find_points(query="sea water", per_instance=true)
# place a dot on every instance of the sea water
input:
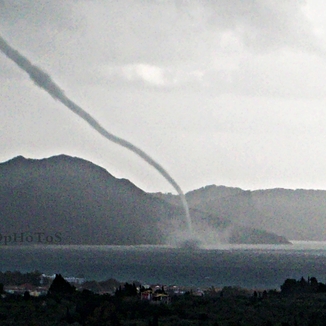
(249, 266)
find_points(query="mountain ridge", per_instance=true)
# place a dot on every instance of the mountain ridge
(87, 205)
(297, 214)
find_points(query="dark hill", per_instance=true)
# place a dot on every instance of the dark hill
(78, 199)
(295, 214)
(77, 202)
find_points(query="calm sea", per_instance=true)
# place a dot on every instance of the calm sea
(250, 266)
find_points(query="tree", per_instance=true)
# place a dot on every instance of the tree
(2, 288)
(129, 290)
(60, 286)
(289, 285)
(27, 295)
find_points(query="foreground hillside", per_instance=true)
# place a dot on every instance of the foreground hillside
(68, 200)
(136, 305)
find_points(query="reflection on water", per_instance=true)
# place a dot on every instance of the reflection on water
(294, 246)
(263, 266)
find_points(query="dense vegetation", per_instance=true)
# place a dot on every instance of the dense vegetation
(18, 278)
(300, 303)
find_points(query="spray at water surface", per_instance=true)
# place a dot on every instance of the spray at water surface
(44, 81)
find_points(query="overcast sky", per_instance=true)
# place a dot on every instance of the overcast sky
(225, 92)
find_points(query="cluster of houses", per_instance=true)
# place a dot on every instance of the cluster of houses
(44, 279)
(163, 294)
(42, 289)
(151, 296)
(152, 293)
(34, 291)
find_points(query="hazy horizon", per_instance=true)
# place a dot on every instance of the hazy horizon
(172, 191)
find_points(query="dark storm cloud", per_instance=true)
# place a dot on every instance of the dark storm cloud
(158, 32)
(261, 25)
(47, 30)
(178, 37)
(36, 14)
(184, 31)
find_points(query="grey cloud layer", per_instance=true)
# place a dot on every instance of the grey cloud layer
(228, 46)
(36, 14)
(263, 25)
(162, 32)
